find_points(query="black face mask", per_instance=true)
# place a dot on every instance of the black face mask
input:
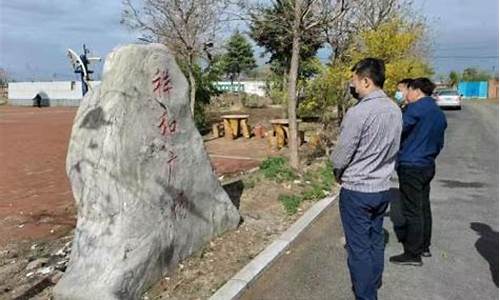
(353, 92)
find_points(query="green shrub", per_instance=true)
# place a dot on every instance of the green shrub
(250, 182)
(200, 118)
(315, 192)
(278, 169)
(326, 173)
(320, 180)
(253, 101)
(278, 96)
(291, 203)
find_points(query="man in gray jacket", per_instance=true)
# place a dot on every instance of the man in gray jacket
(363, 161)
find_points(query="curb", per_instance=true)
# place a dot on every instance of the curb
(235, 286)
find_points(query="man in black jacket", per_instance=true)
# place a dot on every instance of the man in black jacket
(422, 139)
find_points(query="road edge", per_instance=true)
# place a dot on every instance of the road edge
(235, 286)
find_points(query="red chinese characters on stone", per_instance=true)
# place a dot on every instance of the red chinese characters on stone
(180, 206)
(166, 126)
(161, 83)
(172, 157)
(171, 164)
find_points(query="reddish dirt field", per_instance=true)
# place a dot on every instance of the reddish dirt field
(35, 196)
(229, 157)
(36, 201)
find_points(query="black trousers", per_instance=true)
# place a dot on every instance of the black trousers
(414, 187)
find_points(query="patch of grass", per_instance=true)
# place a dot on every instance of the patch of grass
(291, 203)
(278, 169)
(326, 174)
(253, 101)
(321, 180)
(308, 176)
(251, 182)
(319, 184)
(315, 192)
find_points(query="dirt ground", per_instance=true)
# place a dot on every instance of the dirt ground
(35, 195)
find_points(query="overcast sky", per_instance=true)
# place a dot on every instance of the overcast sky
(35, 34)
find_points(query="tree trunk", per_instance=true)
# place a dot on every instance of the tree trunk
(342, 106)
(285, 77)
(292, 93)
(192, 89)
(340, 112)
(341, 109)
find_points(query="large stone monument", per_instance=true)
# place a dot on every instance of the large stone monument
(145, 191)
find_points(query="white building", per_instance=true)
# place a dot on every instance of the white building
(249, 87)
(69, 93)
(52, 93)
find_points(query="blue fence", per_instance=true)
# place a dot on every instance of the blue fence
(473, 89)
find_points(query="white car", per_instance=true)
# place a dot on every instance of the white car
(448, 98)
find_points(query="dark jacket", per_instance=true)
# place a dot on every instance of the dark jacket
(424, 124)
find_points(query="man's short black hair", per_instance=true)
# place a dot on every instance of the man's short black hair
(423, 84)
(405, 81)
(373, 68)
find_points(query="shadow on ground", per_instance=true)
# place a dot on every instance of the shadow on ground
(234, 190)
(487, 246)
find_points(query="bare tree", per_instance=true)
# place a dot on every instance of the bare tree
(188, 27)
(370, 14)
(4, 77)
(359, 15)
(292, 86)
(339, 36)
(327, 12)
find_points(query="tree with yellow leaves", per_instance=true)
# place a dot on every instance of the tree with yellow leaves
(397, 41)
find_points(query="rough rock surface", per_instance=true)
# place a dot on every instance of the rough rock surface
(145, 191)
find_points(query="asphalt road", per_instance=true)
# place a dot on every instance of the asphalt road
(464, 201)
